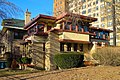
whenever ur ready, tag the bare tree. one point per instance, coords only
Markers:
(8, 9)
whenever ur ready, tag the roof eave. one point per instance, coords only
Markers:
(37, 18)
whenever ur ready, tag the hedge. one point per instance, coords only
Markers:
(68, 60)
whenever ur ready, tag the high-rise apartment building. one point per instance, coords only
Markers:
(60, 6)
(94, 8)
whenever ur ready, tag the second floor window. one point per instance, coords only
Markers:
(18, 35)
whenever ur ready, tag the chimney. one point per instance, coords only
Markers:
(27, 16)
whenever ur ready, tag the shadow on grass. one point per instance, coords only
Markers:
(25, 77)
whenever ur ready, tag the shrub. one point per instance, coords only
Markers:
(108, 56)
(68, 60)
(19, 60)
(24, 60)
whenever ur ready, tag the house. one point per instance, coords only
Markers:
(12, 34)
(1, 44)
(48, 35)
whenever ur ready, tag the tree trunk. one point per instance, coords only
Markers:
(114, 23)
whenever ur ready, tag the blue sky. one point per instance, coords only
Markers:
(34, 6)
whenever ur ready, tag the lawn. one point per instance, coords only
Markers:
(8, 72)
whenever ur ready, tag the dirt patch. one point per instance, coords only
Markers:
(84, 73)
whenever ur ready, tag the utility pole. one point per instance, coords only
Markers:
(114, 22)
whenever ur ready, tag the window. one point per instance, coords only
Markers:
(74, 27)
(96, 1)
(93, 3)
(109, 10)
(81, 47)
(109, 24)
(94, 15)
(18, 35)
(43, 46)
(89, 10)
(102, 6)
(109, 17)
(68, 46)
(102, 19)
(97, 34)
(97, 8)
(60, 2)
(97, 14)
(61, 46)
(103, 25)
(84, 12)
(108, 4)
(67, 26)
(101, 35)
(84, 6)
(85, 28)
(75, 47)
(79, 28)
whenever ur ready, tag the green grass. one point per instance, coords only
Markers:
(7, 72)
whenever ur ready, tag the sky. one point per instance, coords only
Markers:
(36, 7)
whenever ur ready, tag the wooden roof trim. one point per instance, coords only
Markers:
(76, 15)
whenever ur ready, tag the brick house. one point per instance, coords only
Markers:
(48, 35)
